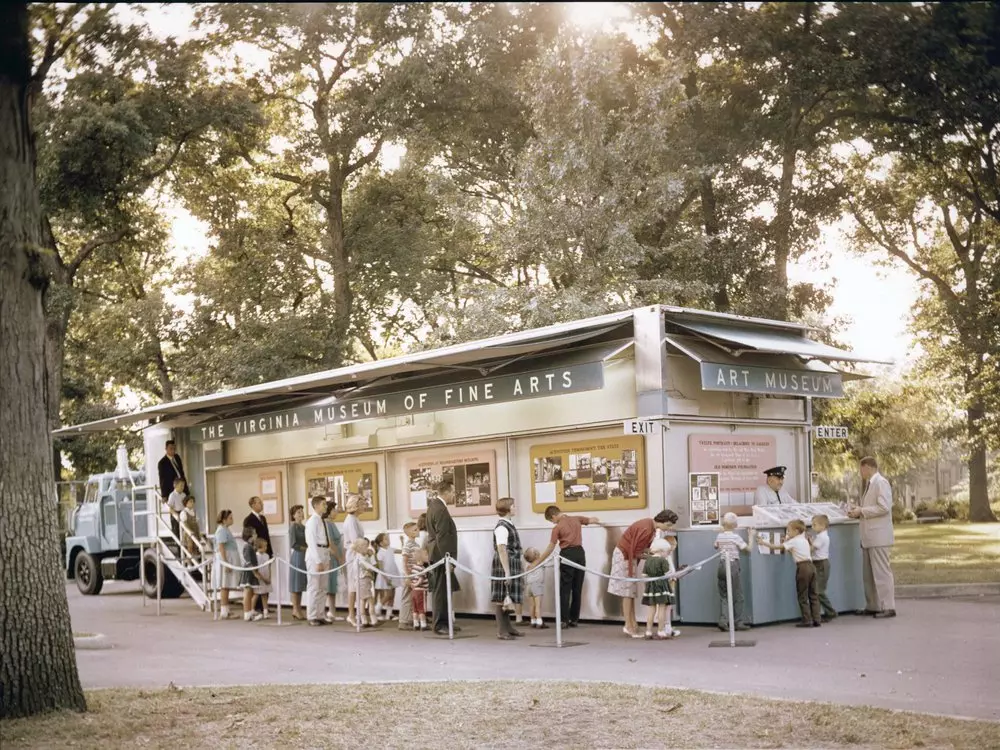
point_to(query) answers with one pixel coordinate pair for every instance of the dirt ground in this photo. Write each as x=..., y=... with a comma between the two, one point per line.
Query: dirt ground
x=480, y=714
x=947, y=553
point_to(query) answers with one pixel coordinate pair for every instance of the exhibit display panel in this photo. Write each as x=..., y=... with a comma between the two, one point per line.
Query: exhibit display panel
x=589, y=475
x=336, y=482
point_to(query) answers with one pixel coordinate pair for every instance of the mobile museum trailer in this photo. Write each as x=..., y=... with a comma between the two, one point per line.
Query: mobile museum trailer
x=614, y=416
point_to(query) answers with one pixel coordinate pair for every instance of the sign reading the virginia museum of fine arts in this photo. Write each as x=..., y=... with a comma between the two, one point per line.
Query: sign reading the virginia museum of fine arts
x=715, y=377
x=588, y=376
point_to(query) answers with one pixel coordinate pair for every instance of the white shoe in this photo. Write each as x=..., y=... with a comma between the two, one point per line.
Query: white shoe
x=224, y=614
x=352, y=622
x=327, y=618
x=674, y=633
x=247, y=616
x=257, y=616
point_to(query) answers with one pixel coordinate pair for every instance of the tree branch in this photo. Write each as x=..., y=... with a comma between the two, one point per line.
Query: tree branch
x=367, y=159
x=895, y=251
x=88, y=249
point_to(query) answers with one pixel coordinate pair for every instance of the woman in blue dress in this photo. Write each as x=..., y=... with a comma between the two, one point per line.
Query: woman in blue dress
x=298, y=581
x=336, y=560
x=225, y=579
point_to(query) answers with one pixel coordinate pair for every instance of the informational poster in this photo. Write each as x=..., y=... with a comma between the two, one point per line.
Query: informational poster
x=473, y=473
x=738, y=459
x=335, y=483
x=595, y=474
x=270, y=495
x=703, y=494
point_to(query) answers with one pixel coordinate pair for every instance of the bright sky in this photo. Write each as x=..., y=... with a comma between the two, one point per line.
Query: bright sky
x=875, y=301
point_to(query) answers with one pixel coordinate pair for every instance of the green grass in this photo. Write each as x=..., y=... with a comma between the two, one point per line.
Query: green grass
x=479, y=714
x=953, y=552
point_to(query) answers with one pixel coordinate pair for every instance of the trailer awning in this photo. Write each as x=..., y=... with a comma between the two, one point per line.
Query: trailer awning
x=759, y=372
x=739, y=340
x=473, y=359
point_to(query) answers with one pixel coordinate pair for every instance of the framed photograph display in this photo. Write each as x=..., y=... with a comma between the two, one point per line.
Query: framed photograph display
x=473, y=473
x=593, y=474
x=703, y=494
x=336, y=482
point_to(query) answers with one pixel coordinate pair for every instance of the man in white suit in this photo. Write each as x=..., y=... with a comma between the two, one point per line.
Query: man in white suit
x=772, y=491
x=875, y=514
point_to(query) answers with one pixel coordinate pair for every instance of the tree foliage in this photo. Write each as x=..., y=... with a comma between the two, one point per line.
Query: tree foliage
x=547, y=173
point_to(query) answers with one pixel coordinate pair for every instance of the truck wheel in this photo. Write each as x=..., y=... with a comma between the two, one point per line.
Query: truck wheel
x=88, y=574
x=171, y=589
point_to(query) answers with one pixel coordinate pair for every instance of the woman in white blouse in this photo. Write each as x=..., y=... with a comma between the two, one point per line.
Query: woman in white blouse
x=352, y=531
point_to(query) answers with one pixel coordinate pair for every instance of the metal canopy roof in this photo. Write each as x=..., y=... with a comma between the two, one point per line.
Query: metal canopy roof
x=744, y=339
x=485, y=356
x=703, y=351
x=479, y=357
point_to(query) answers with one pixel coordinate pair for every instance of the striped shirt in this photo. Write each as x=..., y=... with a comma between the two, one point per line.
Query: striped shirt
x=731, y=541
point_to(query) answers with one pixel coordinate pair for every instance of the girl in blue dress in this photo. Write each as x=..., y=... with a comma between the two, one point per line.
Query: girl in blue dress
x=225, y=579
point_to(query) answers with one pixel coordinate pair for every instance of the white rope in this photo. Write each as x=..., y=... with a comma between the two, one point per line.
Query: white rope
x=313, y=573
x=668, y=577
x=438, y=564
x=499, y=578
x=224, y=564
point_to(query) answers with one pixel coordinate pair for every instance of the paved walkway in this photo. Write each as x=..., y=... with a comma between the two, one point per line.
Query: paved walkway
x=938, y=656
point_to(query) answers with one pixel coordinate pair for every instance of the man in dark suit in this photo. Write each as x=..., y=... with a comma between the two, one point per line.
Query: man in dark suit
x=256, y=521
x=442, y=539
x=170, y=468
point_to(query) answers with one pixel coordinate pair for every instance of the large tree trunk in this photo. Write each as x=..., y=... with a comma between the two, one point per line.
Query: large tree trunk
x=343, y=299
x=979, y=501
x=37, y=660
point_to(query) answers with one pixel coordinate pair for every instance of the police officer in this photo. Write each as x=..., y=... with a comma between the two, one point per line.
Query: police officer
x=772, y=493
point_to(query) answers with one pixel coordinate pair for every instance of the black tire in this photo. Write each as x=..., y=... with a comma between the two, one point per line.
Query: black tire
x=87, y=571
x=172, y=588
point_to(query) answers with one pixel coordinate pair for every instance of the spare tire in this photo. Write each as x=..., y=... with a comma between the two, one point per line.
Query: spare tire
x=87, y=571
x=171, y=587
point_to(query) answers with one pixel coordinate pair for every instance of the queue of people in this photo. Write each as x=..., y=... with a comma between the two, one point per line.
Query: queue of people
x=640, y=561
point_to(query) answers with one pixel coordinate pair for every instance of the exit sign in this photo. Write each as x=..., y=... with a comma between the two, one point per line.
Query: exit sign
x=826, y=432
x=640, y=427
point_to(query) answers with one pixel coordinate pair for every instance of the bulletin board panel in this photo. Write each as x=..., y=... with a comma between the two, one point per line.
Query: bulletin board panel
x=473, y=472
x=271, y=495
x=336, y=482
x=593, y=474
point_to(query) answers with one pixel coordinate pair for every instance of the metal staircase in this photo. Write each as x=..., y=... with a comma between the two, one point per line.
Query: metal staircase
x=192, y=572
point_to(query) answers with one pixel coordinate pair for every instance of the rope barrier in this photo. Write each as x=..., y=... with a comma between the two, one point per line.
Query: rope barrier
x=373, y=568
x=491, y=577
x=668, y=577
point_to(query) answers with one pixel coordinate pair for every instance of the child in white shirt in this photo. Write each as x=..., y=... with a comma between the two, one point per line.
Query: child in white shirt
x=821, y=560
x=534, y=585
x=729, y=540
x=263, y=587
x=805, y=572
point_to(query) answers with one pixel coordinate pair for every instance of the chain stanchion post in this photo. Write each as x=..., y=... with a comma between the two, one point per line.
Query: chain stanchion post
x=447, y=583
x=558, y=584
x=142, y=574
x=729, y=596
x=159, y=576
x=276, y=572
x=357, y=594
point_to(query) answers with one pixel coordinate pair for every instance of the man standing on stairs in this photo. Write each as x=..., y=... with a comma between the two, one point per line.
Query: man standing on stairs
x=256, y=520
x=170, y=468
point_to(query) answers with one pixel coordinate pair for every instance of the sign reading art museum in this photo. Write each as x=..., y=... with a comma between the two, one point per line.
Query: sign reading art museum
x=715, y=377
x=501, y=389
